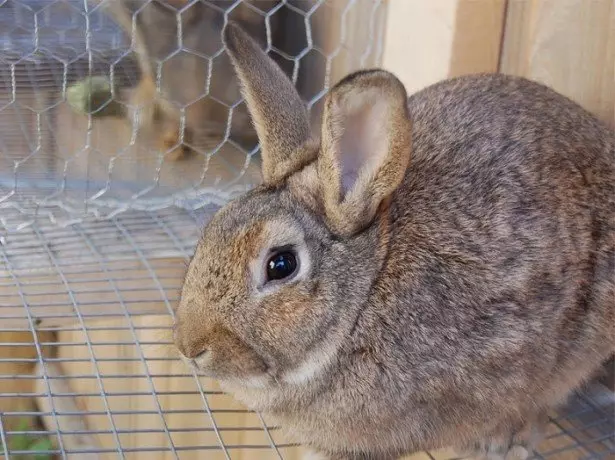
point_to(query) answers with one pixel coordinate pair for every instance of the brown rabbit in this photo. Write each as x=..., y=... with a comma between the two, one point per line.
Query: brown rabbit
x=434, y=271
x=185, y=73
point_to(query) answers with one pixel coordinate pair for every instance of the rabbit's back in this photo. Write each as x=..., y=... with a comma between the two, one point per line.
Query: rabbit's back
x=505, y=228
x=503, y=121
x=496, y=297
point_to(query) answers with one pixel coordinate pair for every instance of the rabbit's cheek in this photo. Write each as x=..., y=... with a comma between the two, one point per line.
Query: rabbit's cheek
x=314, y=365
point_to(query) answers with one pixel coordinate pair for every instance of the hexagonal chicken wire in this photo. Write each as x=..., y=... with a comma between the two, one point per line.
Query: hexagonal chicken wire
x=59, y=164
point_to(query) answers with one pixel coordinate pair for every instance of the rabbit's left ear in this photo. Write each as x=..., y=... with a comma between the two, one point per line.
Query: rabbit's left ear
x=278, y=112
x=365, y=147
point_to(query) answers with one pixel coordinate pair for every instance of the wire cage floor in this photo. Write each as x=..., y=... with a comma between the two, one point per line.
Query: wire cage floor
x=95, y=236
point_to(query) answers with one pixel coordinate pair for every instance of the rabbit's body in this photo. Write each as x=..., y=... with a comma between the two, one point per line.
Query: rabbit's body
x=506, y=238
x=449, y=302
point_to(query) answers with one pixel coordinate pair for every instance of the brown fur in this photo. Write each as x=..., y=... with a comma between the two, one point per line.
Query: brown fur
x=476, y=296
x=282, y=125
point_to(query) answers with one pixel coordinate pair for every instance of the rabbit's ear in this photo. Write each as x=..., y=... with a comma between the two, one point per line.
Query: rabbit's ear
x=365, y=147
x=278, y=113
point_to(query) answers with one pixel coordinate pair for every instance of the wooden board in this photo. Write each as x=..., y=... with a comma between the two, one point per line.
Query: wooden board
x=429, y=41
x=566, y=44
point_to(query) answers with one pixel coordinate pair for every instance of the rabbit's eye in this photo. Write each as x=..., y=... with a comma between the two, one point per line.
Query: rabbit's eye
x=281, y=266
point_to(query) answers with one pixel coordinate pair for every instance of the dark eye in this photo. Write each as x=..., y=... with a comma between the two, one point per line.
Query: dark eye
x=281, y=265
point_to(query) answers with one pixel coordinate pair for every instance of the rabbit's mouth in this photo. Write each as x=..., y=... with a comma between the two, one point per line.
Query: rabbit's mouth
x=223, y=356
x=311, y=368
x=205, y=365
x=200, y=362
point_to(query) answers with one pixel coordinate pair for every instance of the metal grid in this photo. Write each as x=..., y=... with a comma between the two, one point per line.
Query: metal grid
x=95, y=238
x=133, y=394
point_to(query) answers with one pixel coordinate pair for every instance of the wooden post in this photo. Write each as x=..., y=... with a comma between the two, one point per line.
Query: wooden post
x=428, y=41
x=568, y=45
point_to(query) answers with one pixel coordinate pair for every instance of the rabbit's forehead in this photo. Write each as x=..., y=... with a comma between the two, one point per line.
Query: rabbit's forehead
x=232, y=248
x=252, y=238
x=217, y=272
x=241, y=231
x=254, y=206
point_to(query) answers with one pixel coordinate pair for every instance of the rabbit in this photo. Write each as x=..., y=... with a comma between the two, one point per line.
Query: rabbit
x=433, y=271
x=185, y=77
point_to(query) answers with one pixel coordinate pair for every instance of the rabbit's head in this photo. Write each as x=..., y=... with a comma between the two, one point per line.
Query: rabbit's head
x=278, y=277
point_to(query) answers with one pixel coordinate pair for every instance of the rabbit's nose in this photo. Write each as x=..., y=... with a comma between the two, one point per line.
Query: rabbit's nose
x=189, y=345
x=194, y=352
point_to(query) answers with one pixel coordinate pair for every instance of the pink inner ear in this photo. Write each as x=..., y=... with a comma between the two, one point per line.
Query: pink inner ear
x=362, y=145
x=351, y=154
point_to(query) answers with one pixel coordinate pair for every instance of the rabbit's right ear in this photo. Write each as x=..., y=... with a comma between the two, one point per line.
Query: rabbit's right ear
x=278, y=113
x=365, y=147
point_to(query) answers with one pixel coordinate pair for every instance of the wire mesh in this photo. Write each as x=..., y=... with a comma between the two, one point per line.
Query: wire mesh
x=60, y=162
x=98, y=220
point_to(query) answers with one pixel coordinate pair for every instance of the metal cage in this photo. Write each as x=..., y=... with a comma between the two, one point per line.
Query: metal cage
x=97, y=224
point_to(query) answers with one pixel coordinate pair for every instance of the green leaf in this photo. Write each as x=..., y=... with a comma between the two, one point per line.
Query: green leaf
x=23, y=425
x=93, y=95
x=42, y=445
x=19, y=442
x=27, y=442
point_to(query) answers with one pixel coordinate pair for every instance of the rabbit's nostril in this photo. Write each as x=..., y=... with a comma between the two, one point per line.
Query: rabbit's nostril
x=201, y=354
x=192, y=350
